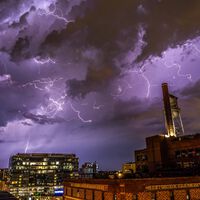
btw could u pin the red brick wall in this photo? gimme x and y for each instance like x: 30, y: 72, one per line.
x: 163, y: 195
x: 97, y: 195
x: 89, y: 194
x: 108, y: 196
x: 195, y: 194
x: 180, y: 194
x: 144, y: 196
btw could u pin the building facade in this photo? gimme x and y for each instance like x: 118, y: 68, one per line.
x: 180, y: 188
x: 4, y: 179
x: 169, y: 153
x: 40, y: 174
x: 129, y: 167
x: 89, y: 169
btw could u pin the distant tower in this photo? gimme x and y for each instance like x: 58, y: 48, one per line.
x: 173, y: 121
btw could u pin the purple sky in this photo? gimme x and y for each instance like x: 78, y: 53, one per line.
x: 84, y: 76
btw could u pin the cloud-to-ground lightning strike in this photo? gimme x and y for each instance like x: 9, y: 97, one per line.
x: 27, y: 145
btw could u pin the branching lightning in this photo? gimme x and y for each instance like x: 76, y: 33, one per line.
x: 43, y: 61
x: 178, y: 66
x: 141, y: 73
x: 42, y: 84
x: 54, y: 106
x: 47, y: 12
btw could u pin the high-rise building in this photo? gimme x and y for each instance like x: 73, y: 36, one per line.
x: 40, y: 174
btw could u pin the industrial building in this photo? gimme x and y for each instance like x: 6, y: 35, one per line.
x: 172, y: 153
x: 169, y: 154
x: 40, y: 174
x: 182, y: 188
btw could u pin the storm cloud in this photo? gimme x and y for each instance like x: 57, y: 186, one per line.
x: 87, y: 74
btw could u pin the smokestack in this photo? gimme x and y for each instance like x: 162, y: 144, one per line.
x: 167, y: 109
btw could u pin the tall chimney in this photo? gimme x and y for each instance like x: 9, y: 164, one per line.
x: 167, y: 109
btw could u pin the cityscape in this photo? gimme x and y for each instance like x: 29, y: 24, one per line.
x: 99, y: 100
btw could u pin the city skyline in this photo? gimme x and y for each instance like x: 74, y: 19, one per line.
x: 84, y: 76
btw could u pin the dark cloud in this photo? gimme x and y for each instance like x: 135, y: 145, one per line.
x: 113, y: 26
x: 21, y: 49
x: 191, y: 91
x: 101, y: 27
x: 7, y: 7
x: 26, y: 124
x: 23, y: 19
x: 42, y: 119
x: 96, y: 80
x: 7, y: 141
x: 15, y: 101
x: 43, y: 57
x: 169, y: 23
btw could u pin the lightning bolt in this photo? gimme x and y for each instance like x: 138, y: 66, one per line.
x: 196, y: 48
x: 43, y: 61
x: 178, y: 66
x: 42, y: 84
x: 47, y: 12
x: 54, y: 106
x: 79, y: 114
x: 27, y: 145
x: 120, y: 90
x: 97, y: 107
x: 140, y: 72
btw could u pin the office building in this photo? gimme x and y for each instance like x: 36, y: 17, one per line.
x: 40, y: 174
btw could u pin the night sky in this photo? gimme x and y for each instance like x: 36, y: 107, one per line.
x: 84, y: 76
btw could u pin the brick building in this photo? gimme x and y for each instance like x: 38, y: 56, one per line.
x: 169, y: 153
x: 181, y: 188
